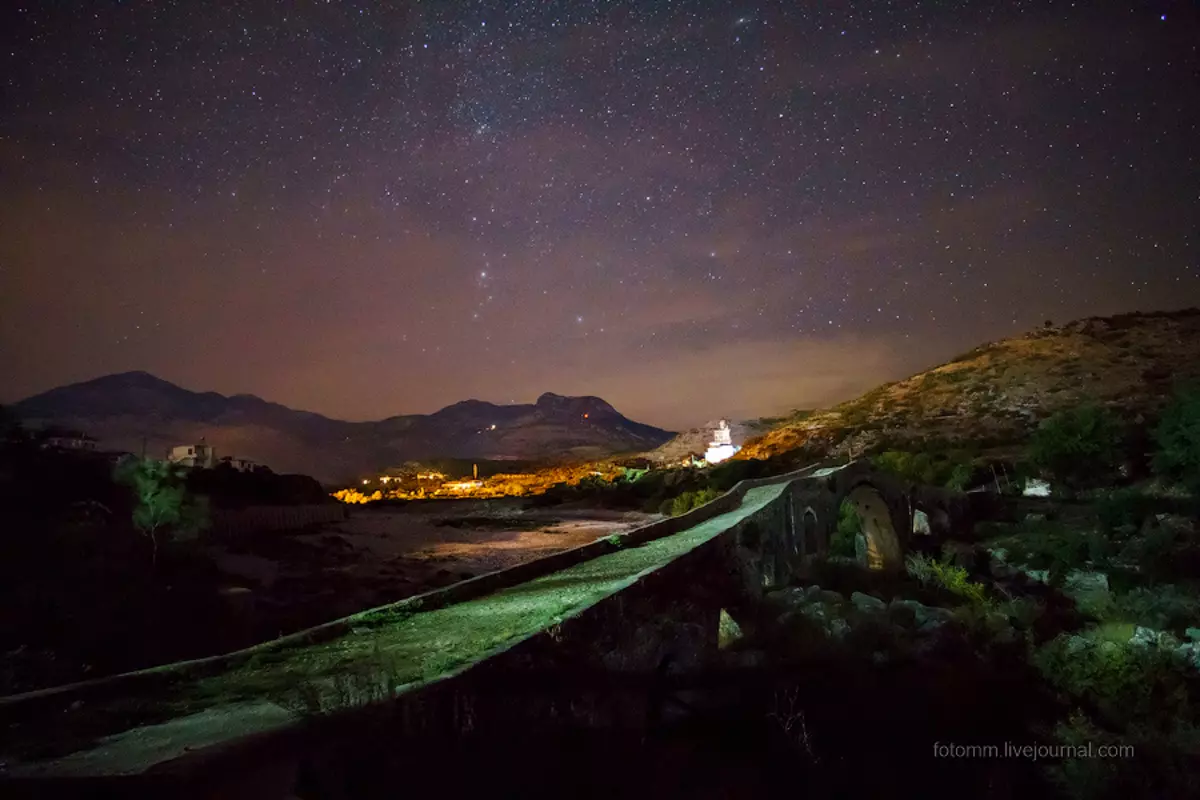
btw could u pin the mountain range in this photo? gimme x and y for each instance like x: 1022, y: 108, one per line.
x: 135, y: 410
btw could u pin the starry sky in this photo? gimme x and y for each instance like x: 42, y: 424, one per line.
x: 689, y: 209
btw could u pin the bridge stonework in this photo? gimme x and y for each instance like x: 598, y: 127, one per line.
x: 603, y: 664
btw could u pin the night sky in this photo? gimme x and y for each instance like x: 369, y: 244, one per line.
x: 689, y: 209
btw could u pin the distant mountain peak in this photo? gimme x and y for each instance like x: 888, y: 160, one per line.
x: 135, y: 377
x: 550, y: 400
x: 127, y: 409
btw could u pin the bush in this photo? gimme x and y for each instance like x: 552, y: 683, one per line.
x: 1139, y: 697
x: 1124, y: 683
x: 1123, y: 508
x: 944, y: 575
x: 689, y: 500
x: 1080, y: 447
x: 849, y: 527
x: 949, y: 468
x: 1177, y: 439
x: 724, y: 477
x: 1157, y: 763
x: 1164, y: 607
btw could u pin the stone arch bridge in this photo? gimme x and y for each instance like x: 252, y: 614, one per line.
x: 571, y: 639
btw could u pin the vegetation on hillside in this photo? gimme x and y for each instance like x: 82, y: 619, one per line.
x: 1081, y: 446
x: 994, y: 396
x: 1177, y: 437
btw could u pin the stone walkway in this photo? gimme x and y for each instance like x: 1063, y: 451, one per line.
x: 381, y: 653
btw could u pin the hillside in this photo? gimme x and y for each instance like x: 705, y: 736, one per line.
x: 999, y: 391
x: 136, y: 409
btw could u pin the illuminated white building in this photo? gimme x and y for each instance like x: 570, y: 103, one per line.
x: 721, y: 447
x: 194, y: 455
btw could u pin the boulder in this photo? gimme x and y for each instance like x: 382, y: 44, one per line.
x: 925, y: 618
x: 1035, y: 487
x: 829, y: 597
x: 1079, y: 582
x: 1190, y: 653
x: 1077, y: 643
x: 815, y: 611
x: 902, y: 614
x: 1148, y: 637
x: 866, y: 603
x: 791, y: 597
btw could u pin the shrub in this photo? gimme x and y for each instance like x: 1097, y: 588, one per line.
x: 944, y: 575
x: 1080, y: 447
x: 1156, y: 763
x: 1177, y: 439
x: 724, y: 477
x: 960, y: 476
x: 1164, y: 607
x: 1123, y: 683
x: 950, y: 468
x: 849, y: 527
x: 1058, y: 548
x: 1122, y: 508
x: 1122, y: 694
x: 689, y: 500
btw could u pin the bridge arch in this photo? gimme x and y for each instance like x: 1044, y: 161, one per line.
x: 884, y: 547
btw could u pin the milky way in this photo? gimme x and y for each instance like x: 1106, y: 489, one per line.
x: 689, y: 209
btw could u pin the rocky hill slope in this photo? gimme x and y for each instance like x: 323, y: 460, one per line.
x: 136, y: 409
x: 999, y: 391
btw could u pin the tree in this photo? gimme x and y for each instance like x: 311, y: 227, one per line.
x: 162, y: 501
x: 1177, y: 440
x: 1080, y: 446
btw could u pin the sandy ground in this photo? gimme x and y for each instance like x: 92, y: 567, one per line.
x: 380, y: 556
x: 477, y: 544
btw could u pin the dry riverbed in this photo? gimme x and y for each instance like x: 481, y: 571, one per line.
x: 379, y: 556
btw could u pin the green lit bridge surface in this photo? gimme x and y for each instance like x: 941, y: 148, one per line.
x: 618, y: 603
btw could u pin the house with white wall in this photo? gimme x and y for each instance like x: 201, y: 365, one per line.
x: 193, y: 455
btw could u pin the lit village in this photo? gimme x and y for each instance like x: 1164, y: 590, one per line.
x: 418, y: 484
